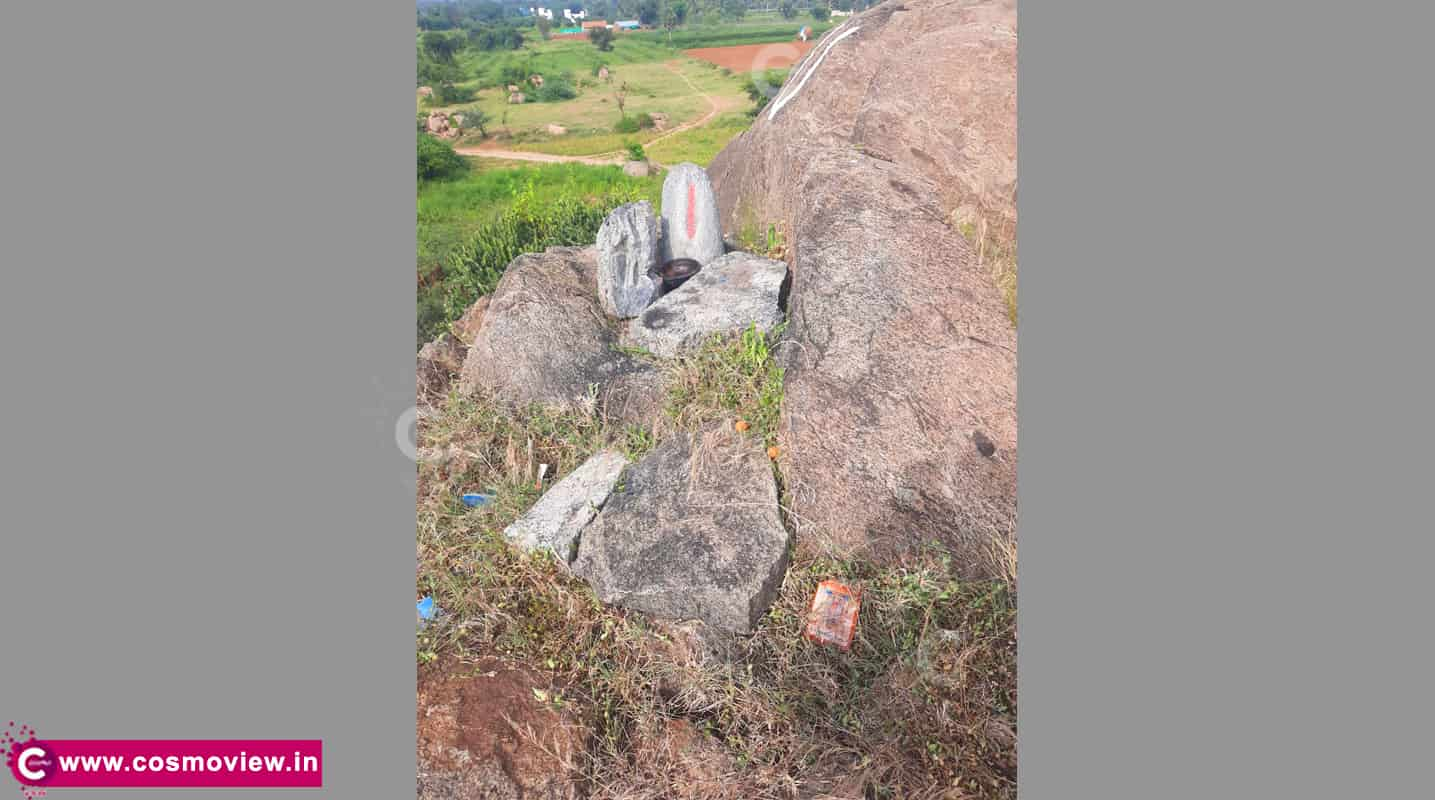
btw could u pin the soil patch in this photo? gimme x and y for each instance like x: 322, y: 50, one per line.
x: 750, y: 57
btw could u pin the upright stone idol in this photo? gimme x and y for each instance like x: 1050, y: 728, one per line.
x: 691, y: 225
x: 627, y: 252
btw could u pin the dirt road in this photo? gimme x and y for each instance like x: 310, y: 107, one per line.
x: 490, y: 149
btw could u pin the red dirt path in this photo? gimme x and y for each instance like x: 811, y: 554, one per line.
x: 749, y: 57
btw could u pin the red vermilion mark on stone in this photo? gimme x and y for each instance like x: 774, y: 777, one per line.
x: 692, y: 212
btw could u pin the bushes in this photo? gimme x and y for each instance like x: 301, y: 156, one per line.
x: 535, y: 221
x: 645, y: 120
x: 762, y: 88
x: 447, y: 94
x: 437, y: 160
x: 635, y: 152
x: 556, y: 88
x: 626, y: 125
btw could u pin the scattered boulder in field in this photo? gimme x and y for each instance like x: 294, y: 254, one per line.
x: 732, y: 292
x: 627, y: 253
x: 692, y: 227
x: 482, y: 734
x: 438, y: 125
x: 425, y: 91
x: 545, y: 339
x: 660, y: 120
x: 536, y: 80
x: 603, y: 73
x: 899, y: 421
x: 555, y: 129
x: 556, y: 520
x: 636, y: 169
x: 516, y: 98
x: 512, y: 87
x: 691, y: 532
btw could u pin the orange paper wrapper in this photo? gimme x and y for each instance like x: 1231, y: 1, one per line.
x: 833, y: 618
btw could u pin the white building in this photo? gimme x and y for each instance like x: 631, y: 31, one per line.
x: 575, y: 16
x: 546, y: 13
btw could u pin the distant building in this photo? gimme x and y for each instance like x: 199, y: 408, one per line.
x: 546, y: 13
x: 628, y: 24
x: 575, y: 16
x: 837, y: 13
x: 594, y: 23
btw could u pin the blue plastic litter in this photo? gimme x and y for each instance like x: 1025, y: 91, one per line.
x: 427, y: 609
x: 473, y: 499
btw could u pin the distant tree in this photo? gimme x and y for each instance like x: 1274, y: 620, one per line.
x: 788, y: 9
x: 476, y: 118
x: 602, y: 38
x: 545, y: 27
x: 841, y: 5
x: 821, y: 13
x: 734, y: 9
x: 680, y: 12
x: 648, y: 13
x: 672, y: 17
x: 439, y: 46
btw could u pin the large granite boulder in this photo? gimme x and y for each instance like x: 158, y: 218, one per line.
x: 545, y: 339
x: 556, y: 520
x: 691, y: 532
x: 899, y: 418
x: 691, y: 225
x: 733, y: 292
x: 627, y: 254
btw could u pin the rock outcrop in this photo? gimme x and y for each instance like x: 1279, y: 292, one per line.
x: 558, y: 518
x: 691, y: 225
x: 545, y: 339
x: 692, y: 532
x: 627, y: 253
x: 899, y: 419
x: 732, y: 292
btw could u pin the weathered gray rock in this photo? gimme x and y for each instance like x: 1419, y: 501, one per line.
x: 544, y: 339
x: 556, y: 520
x: 627, y: 252
x: 729, y: 294
x: 691, y: 532
x: 691, y: 225
x: 636, y: 169
x: 899, y: 422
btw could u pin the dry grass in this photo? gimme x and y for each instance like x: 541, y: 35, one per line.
x: 923, y: 706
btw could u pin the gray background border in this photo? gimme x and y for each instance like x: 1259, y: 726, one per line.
x: 207, y: 316
x: 1224, y: 400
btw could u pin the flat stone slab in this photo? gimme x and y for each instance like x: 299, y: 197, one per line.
x: 556, y: 520
x: 691, y: 532
x: 691, y: 225
x: 734, y: 291
x: 627, y: 253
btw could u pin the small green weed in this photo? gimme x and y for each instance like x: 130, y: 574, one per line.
x: 729, y: 376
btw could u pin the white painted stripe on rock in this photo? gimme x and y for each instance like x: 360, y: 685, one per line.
x: 782, y: 100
